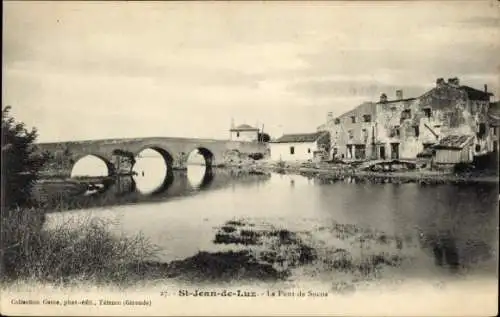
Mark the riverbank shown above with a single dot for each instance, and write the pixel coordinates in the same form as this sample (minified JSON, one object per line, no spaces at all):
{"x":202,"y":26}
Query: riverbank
{"x":335,"y":261}
{"x":331,"y":172}
{"x":245,"y":250}
{"x":421,"y":177}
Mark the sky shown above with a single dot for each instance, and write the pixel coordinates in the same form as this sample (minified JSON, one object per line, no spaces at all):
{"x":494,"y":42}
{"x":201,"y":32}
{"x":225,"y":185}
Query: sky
{"x":94,"y":70}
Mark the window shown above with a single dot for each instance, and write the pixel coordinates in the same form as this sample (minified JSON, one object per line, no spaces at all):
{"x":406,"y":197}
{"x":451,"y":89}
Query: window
{"x":394,"y":132}
{"x":417,"y":130}
{"x":367,"y":118}
{"x":237,"y":134}
{"x":406,"y":114}
{"x":353,"y":119}
{"x":308,"y":150}
{"x":427,"y":112}
{"x":351,"y":134}
{"x":365,"y":135}
{"x":337,"y":121}
{"x":292,"y":150}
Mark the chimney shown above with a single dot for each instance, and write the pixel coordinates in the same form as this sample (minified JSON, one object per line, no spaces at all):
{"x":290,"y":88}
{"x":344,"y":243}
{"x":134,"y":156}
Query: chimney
{"x":399,"y":94}
{"x":485,"y":88}
{"x":439,"y":82}
{"x":455,"y":82}
{"x":383,"y":98}
{"x":329,"y":116}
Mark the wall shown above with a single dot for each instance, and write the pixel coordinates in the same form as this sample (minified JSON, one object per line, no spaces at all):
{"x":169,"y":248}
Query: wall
{"x":395,"y":124}
{"x":345,"y":132}
{"x":451,"y":156}
{"x":302,"y":151}
{"x":247,"y":136}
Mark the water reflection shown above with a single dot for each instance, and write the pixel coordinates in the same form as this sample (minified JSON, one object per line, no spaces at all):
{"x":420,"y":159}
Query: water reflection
{"x":124,"y":190}
{"x":150,"y":172}
{"x":442,"y":226}
{"x":196,"y":175}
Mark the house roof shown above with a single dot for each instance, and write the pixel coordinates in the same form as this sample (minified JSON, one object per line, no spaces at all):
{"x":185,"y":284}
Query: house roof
{"x":395,"y":100}
{"x":300,"y":137}
{"x":476,"y":94}
{"x":244,"y":127}
{"x":454,"y":142}
{"x":494,"y":114}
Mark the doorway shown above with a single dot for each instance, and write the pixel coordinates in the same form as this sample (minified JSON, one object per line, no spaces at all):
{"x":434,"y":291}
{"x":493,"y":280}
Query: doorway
{"x":382,"y":152}
{"x":349,"y":151}
{"x":394,"y":151}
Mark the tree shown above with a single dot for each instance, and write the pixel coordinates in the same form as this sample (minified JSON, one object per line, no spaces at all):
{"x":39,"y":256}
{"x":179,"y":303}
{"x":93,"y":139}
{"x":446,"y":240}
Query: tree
{"x":264,"y":137}
{"x":20,"y":161}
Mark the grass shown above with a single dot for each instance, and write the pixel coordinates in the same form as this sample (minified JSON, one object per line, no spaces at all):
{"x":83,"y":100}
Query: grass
{"x":87,"y":250}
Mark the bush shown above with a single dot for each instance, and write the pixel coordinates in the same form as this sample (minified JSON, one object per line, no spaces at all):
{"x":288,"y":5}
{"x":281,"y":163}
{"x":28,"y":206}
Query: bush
{"x":20,"y":161}
{"x":84,"y":249}
{"x":256,"y":156}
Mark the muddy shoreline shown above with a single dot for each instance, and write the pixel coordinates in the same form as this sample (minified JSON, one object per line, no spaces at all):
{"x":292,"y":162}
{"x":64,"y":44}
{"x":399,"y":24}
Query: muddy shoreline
{"x":387,"y":177}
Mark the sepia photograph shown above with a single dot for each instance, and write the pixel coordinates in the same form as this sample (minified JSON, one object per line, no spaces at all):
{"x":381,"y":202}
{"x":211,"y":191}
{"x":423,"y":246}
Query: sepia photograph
{"x":250,"y":158}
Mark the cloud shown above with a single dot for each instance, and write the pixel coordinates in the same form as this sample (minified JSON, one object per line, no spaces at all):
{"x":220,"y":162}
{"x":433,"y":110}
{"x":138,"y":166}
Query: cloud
{"x":84,"y":70}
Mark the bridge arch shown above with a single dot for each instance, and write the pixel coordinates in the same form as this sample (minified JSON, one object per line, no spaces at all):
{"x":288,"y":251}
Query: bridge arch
{"x":206,"y":153}
{"x":199,"y":162}
{"x":152,"y":179}
{"x":91,"y":165}
{"x":166,"y":154}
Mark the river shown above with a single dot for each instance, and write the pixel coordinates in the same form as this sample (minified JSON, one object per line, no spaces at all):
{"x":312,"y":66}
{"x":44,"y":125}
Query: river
{"x":439,"y":229}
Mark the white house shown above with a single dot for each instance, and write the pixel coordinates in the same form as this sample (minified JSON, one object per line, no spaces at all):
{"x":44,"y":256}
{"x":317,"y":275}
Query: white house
{"x":300,"y":147}
{"x":244,"y":132}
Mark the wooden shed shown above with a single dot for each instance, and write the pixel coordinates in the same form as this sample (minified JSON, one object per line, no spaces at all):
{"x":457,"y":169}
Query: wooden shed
{"x":454,"y":149}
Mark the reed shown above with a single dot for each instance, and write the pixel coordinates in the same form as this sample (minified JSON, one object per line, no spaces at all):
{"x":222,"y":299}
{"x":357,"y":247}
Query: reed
{"x":84,"y":249}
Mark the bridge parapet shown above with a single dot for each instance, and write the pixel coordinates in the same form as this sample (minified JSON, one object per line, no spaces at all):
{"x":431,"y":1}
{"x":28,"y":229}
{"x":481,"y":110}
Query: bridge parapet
{"x":175,"y":151}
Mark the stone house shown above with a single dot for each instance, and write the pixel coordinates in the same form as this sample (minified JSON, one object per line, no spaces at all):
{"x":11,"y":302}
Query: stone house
{"x":393,"y":123}
{"x":300,"y":147}
{"x":244,"y":132}
{"x":352,"y":134}
{"x":454,"y":109}
{"x":404,"y":127}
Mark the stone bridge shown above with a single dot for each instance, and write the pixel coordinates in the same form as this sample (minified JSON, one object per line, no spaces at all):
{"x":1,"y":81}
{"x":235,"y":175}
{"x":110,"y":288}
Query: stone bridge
{"x":175,"y":151}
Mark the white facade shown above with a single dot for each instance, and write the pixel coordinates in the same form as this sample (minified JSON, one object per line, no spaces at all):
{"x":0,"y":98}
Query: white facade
{"x":293,"y":151}
{"x":248,"y":136}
